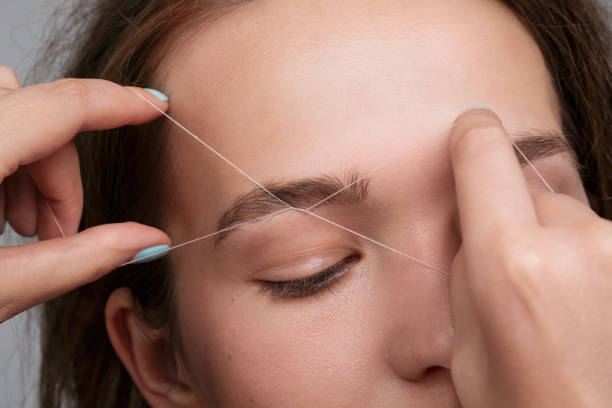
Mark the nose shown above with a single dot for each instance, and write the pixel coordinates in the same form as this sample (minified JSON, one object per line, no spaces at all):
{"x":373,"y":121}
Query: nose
{"x":421,"y":341}
{"x":415,"y":355}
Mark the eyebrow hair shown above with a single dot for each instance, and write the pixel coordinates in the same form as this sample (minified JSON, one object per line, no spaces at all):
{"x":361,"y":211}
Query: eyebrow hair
{"x":302,"y":193}
{"x":540,"y":143}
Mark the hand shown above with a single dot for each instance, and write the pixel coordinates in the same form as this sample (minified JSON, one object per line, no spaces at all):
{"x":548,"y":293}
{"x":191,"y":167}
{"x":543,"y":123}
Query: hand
{"x":40,"y":176}
{"x":531,"y":287}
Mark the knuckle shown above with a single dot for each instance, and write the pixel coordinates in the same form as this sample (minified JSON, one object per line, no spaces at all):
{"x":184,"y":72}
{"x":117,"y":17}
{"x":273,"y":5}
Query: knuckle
{"x":102,"y":239}
{"x":521,"y":261}
{"x":72,"y":89}
{"x":520,"y":265}
{"x":96,"y":248}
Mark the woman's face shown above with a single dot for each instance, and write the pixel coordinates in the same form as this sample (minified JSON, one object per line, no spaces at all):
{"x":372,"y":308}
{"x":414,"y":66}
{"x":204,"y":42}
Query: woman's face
{"x":305,"y":95}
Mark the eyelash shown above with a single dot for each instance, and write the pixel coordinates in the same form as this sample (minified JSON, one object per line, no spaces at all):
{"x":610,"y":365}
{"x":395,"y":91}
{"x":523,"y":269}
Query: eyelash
{"x":309,"y":285}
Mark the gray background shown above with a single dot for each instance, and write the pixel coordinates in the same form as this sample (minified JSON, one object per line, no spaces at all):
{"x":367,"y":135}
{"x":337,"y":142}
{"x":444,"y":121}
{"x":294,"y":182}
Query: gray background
{"x":21,"y":29}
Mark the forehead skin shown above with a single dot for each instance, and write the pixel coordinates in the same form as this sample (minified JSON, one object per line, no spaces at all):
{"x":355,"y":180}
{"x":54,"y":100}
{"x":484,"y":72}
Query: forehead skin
{"x":296,"y":88}
{"x":288,"y":87}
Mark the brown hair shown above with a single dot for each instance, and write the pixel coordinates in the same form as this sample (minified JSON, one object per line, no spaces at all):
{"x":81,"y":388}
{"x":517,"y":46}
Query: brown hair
{"x":125,"y":41}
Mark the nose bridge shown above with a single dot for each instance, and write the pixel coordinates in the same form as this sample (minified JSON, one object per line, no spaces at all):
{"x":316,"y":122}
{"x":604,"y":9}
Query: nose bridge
{"x":418,"y":298}
{"x":418,"y":217}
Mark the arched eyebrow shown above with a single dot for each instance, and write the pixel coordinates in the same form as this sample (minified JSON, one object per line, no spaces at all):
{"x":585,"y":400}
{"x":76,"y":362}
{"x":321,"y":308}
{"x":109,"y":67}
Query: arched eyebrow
{"x":540,"y":143}
{"x":303,"y":193}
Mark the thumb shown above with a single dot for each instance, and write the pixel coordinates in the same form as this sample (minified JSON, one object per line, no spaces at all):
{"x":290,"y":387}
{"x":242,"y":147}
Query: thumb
{"x":37,"y":272}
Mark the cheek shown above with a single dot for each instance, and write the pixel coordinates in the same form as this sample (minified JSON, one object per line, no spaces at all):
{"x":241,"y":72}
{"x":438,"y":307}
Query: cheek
{"x":333,"y":349}
{"x":241,"y":345}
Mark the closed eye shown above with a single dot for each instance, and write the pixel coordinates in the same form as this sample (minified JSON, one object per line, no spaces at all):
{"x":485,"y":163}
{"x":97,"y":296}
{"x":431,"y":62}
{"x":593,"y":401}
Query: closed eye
{"x":309,"y":285}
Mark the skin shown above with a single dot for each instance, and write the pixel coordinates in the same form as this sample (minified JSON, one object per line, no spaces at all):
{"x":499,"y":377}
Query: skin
{"x":296,"y":87}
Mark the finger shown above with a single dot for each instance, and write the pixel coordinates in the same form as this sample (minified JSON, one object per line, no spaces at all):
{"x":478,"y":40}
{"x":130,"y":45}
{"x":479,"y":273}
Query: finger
{"x":492,"y":193}
{"x":556,"y":210}
{"x":8,"y":78}
{"x":58,"y":179}
{"x":22,"y":203}
{"x":2,"y":209}
{"x":47,"y":116}
{"x":37,"y":272}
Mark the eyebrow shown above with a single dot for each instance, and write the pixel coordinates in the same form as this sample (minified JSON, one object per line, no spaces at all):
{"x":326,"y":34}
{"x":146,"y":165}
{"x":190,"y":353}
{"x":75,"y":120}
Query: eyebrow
{"x":541,"y":143}
{"x":302,"y":193}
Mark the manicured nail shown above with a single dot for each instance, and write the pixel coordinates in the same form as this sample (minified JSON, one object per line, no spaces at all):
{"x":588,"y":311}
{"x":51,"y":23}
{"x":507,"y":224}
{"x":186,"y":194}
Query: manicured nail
{"x":4,"y":226}
{"x":150,"y":254}
{"x":157,"y":94}
{"x":481,"y":107}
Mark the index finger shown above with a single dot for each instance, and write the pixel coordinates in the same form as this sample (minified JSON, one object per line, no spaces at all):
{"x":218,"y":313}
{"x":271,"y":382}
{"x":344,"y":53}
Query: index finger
{"x":37,"y":120}
{"x":492,"y":193}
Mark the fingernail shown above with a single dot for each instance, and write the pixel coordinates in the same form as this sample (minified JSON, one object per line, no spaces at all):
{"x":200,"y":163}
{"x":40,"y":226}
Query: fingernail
{"x":150,"y":254}
{"x":481,"y":107}
{"x":157,"y":94}
{"x":4,"y":226}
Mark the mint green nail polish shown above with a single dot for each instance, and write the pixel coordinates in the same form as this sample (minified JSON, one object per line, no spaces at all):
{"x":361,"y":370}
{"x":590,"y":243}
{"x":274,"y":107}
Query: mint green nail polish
{"x":481,"y":107}
{"x":157,"y":94}
{"x":150,"y":254}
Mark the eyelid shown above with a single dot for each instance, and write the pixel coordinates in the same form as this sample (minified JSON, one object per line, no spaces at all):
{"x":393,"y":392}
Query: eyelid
{"x":312,"y":284}
{"x":290,"y":267}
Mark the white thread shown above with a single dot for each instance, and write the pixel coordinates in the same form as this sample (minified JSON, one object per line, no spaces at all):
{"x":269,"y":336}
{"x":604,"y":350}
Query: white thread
{"x":289,"y":207}
{"x":443,"y":272}
{"x":207,"y":236}
{"x":532,"y":166}
{"x":253,"y":220}
{"x":238,"y":169}
{"x":55,"y":218}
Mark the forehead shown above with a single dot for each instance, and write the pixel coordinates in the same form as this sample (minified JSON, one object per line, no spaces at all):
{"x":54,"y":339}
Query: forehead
{"x":291,"y":88}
